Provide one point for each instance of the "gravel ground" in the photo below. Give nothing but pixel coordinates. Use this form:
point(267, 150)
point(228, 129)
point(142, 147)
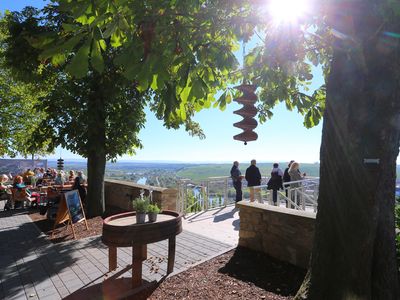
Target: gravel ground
point(238, 274)
point(61, 233)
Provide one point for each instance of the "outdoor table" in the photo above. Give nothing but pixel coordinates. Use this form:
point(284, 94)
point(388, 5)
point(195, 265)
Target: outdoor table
point(121, 230)
point(62, 188)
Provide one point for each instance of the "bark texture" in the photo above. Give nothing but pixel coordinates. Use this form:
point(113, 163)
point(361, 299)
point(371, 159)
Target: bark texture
point(96, 162)
point(354, 247)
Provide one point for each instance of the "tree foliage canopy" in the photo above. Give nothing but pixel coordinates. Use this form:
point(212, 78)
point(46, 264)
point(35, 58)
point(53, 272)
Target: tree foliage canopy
point(18, 113)
point(63, 100)
point(183, 52)
point(180, 52)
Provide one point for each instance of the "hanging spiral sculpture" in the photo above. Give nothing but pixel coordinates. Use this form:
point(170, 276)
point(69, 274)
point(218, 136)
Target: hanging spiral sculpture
point(248, 112)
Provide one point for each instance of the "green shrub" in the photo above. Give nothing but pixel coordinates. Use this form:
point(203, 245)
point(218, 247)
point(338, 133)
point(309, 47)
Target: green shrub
point(141, 205)
point(153, 208)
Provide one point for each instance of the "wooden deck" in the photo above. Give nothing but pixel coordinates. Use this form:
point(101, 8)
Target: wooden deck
point(34, 268)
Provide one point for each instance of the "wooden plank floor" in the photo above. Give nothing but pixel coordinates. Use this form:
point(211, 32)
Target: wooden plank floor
point(34, 268)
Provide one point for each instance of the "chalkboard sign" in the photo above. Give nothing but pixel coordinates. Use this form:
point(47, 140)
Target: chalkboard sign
point(70, 210)
point(74, 205)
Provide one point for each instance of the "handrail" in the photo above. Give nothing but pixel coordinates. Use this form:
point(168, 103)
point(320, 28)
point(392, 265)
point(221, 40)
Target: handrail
point(287, 183)
point(218, 191)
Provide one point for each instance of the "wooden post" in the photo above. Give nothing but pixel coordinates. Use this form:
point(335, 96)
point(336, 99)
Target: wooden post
point(171, 254)
point(139, 254)
point(83, 212)
point(112, 258)
point(72, 227)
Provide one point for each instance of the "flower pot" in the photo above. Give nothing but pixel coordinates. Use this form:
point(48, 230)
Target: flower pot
point(140, 218)
point(152, 217)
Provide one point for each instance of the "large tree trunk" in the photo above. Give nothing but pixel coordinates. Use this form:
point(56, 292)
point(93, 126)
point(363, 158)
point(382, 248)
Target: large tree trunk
point(95, 197)
point(96, 163)
point(354, 254)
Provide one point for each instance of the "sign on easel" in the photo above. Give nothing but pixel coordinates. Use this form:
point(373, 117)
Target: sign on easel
point(71, 210)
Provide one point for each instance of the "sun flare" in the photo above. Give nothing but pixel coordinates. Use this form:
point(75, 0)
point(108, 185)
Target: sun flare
point(288, 11)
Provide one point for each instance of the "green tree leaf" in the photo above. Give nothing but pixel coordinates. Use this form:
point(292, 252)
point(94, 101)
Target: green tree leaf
point(80, 62)
point(96, 57)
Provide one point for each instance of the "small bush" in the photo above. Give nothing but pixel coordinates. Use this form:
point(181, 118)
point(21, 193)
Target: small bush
point(141, 205)
point(153, 208)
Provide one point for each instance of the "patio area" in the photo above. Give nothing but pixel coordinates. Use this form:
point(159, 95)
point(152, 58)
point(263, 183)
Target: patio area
point(34, 268)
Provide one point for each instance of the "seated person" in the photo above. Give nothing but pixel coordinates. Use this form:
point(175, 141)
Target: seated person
point(71, 176)
point(39, 176)
point(20, 185)
point(21, 192)
point(27, 176)
point(59, 179)
point(53, 173)
point(47, 175)
point(4, 188)
point(28, 173)
point(19, 182)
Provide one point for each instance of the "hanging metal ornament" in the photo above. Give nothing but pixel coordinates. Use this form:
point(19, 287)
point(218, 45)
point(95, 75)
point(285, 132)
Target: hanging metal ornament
point(248, 112)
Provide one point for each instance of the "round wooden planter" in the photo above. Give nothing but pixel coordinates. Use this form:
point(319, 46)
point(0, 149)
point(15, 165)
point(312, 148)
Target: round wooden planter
point(122, 231)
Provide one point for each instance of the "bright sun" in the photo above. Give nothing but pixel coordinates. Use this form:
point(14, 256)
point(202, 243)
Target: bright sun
point(287, 11)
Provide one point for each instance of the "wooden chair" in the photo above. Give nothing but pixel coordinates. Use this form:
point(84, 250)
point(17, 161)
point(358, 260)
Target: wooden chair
point(52, 192)
point(20, 195)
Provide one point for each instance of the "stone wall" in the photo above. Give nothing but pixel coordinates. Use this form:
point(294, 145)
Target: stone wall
point(282, 233)
point(119, 195)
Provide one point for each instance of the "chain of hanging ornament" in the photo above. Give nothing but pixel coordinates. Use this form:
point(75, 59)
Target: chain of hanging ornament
point(248, 111)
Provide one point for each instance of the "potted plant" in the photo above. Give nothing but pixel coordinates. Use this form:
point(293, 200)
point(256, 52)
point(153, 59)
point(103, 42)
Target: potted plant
point(152, 212)
point(141, 205)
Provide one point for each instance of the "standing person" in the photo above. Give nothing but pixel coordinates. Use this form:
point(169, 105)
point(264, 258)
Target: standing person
point(80, 188)
point(82, 177)
point(295, 175)
point(253, 177)
point(286, 176)
point(275, 182)
point(236, 176)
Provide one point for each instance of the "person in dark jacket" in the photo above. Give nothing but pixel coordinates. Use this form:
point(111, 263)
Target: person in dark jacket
point(275, 182)
point(236, 176)
point(253, 177)
point(80, 188)
point(286, 177)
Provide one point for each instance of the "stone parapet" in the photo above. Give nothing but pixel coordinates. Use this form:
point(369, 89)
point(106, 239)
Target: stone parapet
point(119, 195)
point(285, 234)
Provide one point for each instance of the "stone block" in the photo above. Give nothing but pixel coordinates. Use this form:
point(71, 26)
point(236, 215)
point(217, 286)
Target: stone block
point(261, 228)
point(245, 215)
point(243, 243)
point(246, 226)
point(285, 234)
point(119, 195)
point(255, 245)
point(246, 234)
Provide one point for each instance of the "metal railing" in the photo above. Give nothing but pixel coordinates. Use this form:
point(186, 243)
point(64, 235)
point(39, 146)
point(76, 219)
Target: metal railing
point(301, 194)
point(219, 192)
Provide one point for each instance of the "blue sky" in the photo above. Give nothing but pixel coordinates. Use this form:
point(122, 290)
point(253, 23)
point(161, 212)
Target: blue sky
point(281, 139)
